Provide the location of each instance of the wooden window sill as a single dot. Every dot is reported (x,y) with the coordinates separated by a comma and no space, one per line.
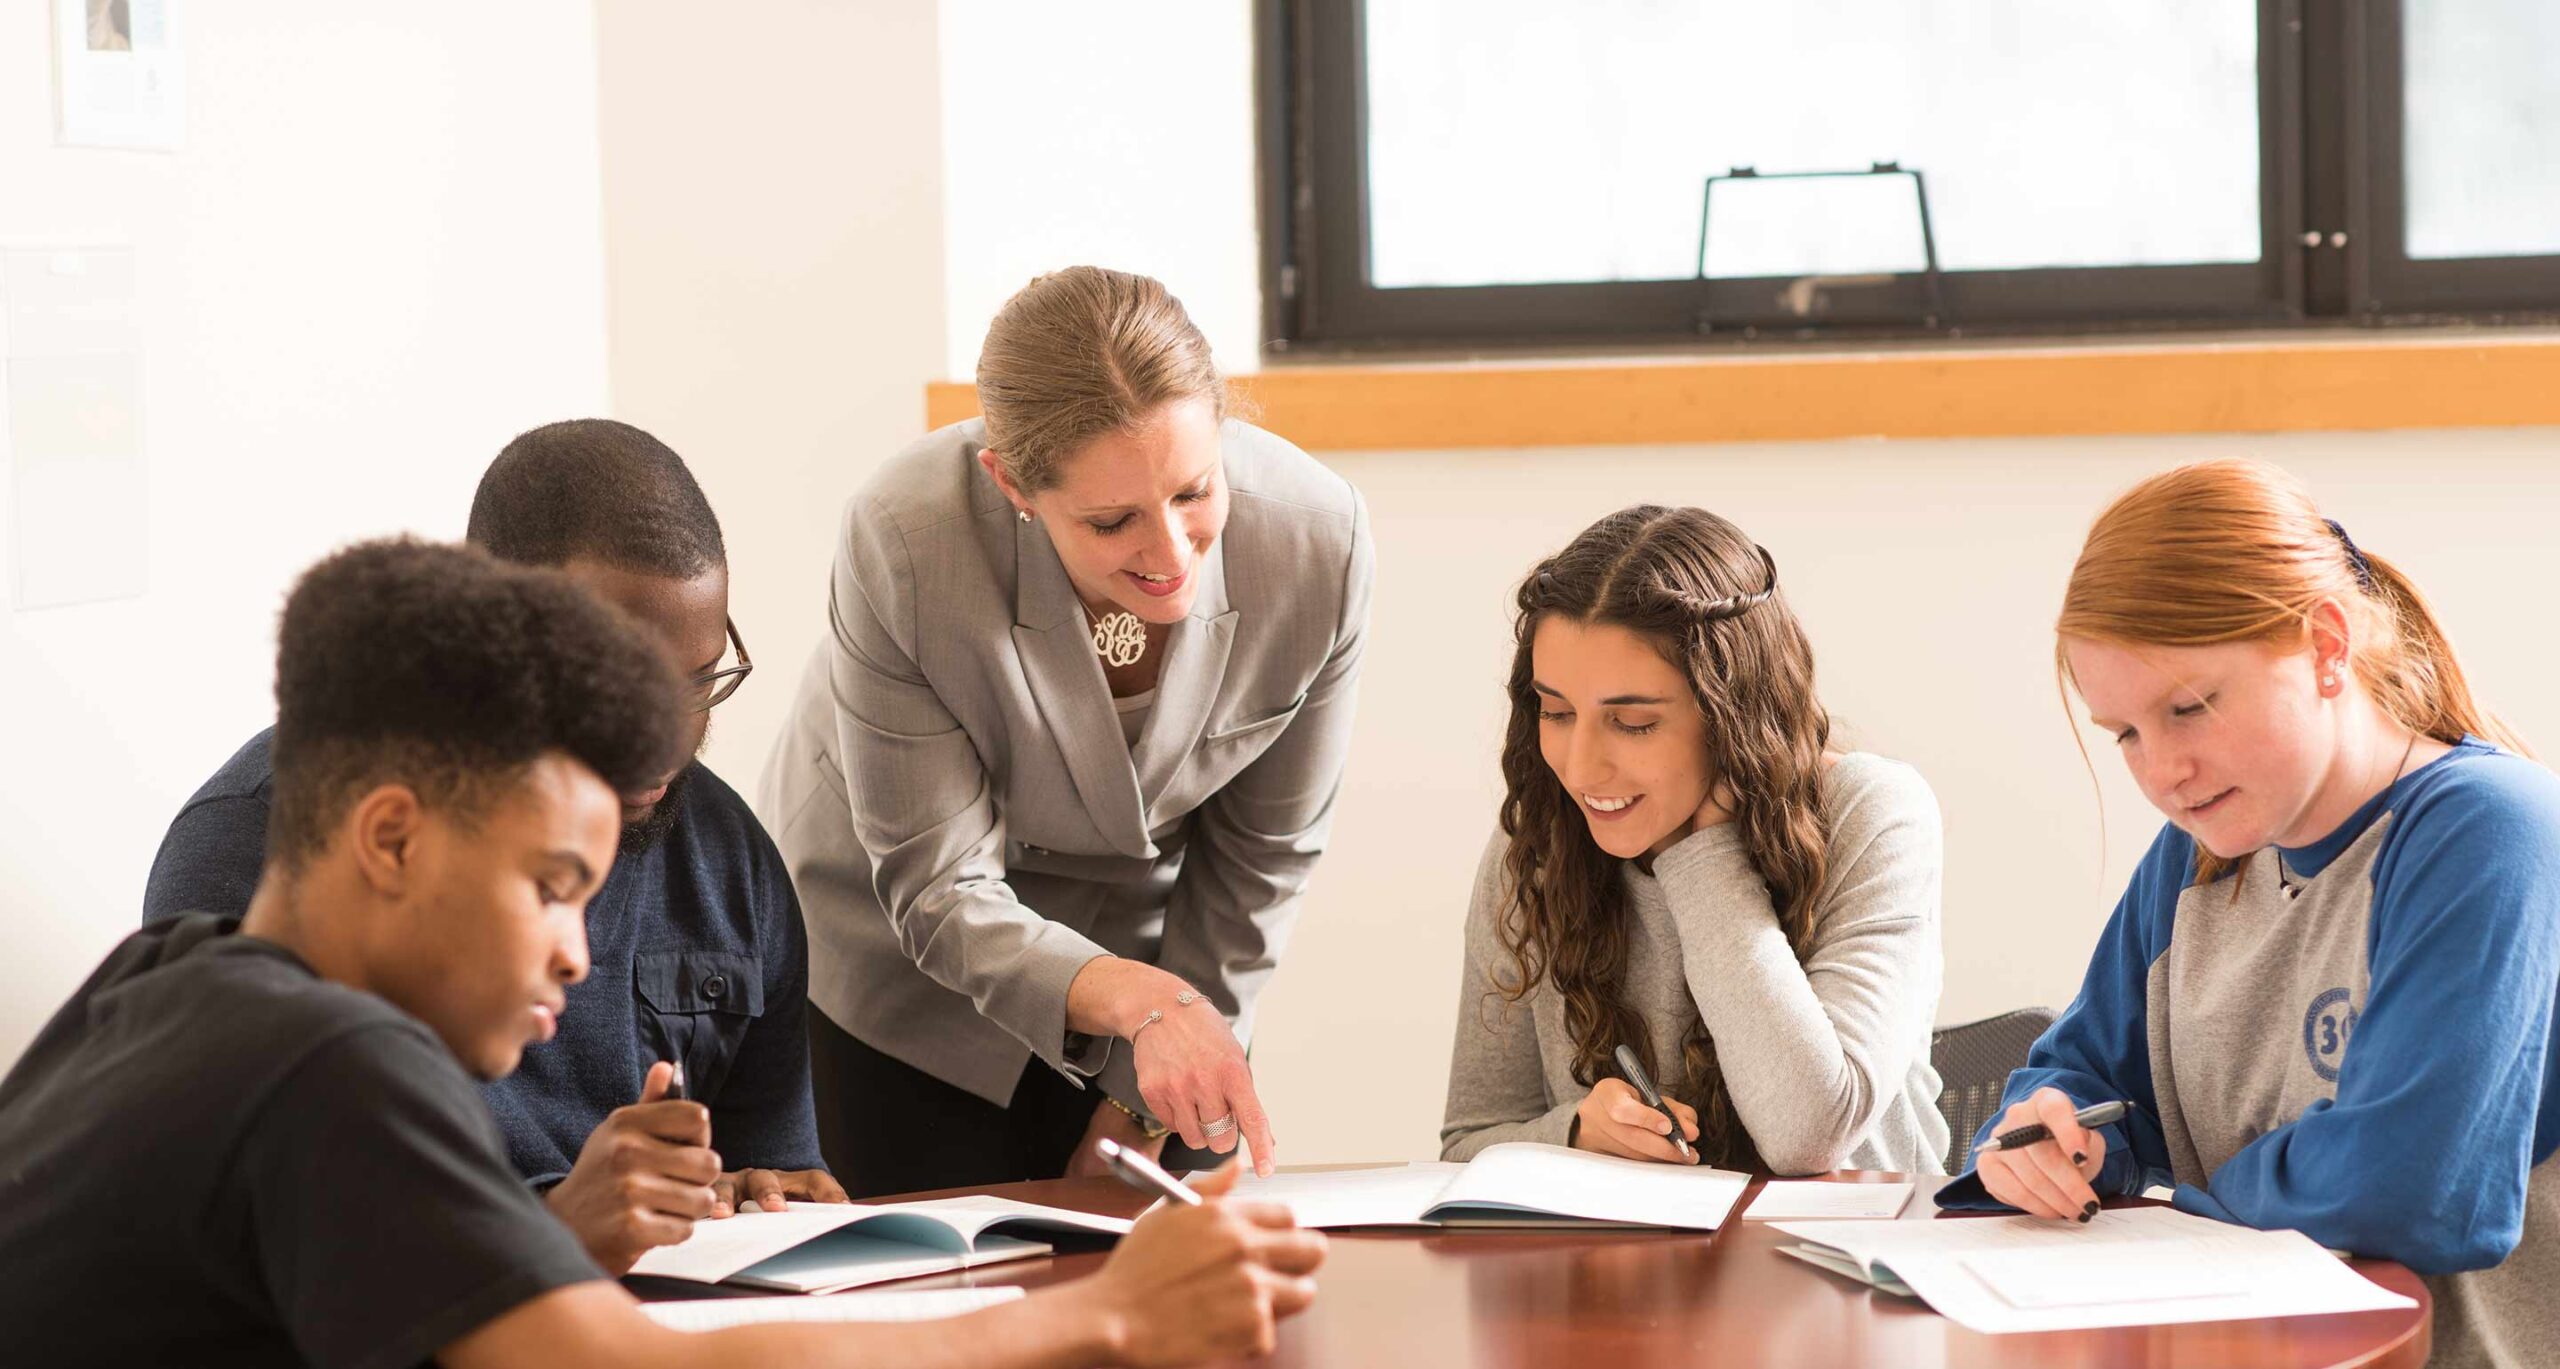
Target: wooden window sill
(2470,380)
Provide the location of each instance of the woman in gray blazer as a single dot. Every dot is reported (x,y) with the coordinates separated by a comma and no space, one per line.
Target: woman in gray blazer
(1054,784)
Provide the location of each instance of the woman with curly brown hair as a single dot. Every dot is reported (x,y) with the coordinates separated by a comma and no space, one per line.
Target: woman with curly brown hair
(1686,868)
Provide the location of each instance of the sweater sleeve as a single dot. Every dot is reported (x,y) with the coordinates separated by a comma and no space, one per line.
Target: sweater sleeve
(2444,1101)
(1497,1082)
(2099,1050)
(1812,1052)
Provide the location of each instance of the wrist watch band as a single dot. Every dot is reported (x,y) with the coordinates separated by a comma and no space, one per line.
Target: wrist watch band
(1155,1131)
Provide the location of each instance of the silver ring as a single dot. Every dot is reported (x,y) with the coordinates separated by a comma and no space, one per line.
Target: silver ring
(1220,1127)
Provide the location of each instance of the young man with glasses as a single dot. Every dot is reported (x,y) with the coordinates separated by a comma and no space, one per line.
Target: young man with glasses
(700,960)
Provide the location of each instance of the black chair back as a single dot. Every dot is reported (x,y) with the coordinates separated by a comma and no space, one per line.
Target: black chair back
(1973,1063)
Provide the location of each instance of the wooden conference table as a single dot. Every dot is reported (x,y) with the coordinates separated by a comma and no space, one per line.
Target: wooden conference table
(1651,1300)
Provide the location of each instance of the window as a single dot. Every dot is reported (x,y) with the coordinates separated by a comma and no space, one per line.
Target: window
(1458,172)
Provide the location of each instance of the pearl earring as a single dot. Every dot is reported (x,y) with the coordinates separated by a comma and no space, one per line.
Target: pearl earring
(1023,514)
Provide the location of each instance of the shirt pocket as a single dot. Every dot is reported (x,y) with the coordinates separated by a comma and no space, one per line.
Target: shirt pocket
(696,1007)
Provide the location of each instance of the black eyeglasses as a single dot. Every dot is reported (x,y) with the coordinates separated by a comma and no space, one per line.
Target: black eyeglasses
(712,687)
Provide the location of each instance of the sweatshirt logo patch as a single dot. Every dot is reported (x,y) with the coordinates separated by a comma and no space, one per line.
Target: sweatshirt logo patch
(2325,1030)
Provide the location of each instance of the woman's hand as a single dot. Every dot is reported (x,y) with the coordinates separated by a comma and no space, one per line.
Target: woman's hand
(1615,1120)
(1192,1072)
(2050,1178)
(1191,1069)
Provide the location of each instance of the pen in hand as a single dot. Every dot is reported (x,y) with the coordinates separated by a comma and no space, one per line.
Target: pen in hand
(1143,1174)
(1634,1070)
(2018,1138)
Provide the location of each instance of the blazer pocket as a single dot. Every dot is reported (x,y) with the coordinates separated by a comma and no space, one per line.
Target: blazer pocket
(1254,727)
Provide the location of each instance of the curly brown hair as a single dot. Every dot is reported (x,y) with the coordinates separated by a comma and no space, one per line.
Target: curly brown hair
(1691,584)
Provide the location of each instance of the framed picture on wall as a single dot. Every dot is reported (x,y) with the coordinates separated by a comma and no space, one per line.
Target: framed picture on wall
(119,74)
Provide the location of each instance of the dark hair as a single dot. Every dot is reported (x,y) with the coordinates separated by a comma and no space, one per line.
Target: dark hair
(1703,595)
(595,487)
(443,669)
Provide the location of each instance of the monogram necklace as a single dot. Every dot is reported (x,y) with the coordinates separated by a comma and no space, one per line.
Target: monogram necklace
(1118,638)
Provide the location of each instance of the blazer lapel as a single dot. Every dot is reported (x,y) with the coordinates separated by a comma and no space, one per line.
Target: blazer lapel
(1056,650)
(1195,666)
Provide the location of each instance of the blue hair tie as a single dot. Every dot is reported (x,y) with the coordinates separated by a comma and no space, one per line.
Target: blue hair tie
(2355,556)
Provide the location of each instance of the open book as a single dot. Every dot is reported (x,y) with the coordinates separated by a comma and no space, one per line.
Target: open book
(2131,1267)
(1518,1183)
(822,1247)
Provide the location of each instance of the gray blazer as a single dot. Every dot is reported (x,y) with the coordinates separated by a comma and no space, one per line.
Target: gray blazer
(963,817)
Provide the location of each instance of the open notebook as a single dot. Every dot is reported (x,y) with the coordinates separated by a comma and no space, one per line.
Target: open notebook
(2130,1267)
(1518,1183)
(822,1247)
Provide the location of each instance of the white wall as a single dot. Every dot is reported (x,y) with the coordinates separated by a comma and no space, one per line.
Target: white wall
(773,223)
(377,257)
(1118,135)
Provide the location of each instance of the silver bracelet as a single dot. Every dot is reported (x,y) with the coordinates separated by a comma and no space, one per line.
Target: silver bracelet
(1182,998)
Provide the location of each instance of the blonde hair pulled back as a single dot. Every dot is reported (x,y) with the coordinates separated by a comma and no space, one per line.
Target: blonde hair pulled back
(1083,352)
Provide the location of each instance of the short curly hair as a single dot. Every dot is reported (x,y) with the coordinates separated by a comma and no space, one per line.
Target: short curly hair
(449,671)
(596,487)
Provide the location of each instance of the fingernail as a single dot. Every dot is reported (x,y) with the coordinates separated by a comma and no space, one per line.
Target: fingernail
(2089,1211)
(2079,1159)
(2084,1219)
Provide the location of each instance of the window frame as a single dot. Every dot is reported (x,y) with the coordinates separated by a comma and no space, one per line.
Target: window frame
(2329,110)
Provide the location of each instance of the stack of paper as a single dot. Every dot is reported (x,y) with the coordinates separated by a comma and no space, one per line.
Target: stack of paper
(2136,1267)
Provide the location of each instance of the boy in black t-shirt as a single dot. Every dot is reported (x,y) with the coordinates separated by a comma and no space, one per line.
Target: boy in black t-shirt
(696,948)
(259,1141)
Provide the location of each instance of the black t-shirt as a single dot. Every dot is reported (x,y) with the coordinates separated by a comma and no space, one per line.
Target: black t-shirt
(695,950)
(212,1156)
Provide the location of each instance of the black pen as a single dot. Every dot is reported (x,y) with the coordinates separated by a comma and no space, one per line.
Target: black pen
(1139,1172)
(1633,1068)
(675,1080)
(2017,1138)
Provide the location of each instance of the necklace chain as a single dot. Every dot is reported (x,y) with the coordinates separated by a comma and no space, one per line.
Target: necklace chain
(2293,890)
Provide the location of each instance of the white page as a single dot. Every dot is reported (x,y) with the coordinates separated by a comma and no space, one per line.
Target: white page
(2111,1273)
(718,1249)
(2274,1273)
(977,1211)
(1577,1183)
(711,1314)
(849,1258)
(1396,1195)
(1781,1200)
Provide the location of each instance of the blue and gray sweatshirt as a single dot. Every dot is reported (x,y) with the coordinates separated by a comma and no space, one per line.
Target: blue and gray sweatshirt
(2355,1040)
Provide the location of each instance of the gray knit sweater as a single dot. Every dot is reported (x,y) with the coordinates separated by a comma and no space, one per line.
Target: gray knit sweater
(1827,1061)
